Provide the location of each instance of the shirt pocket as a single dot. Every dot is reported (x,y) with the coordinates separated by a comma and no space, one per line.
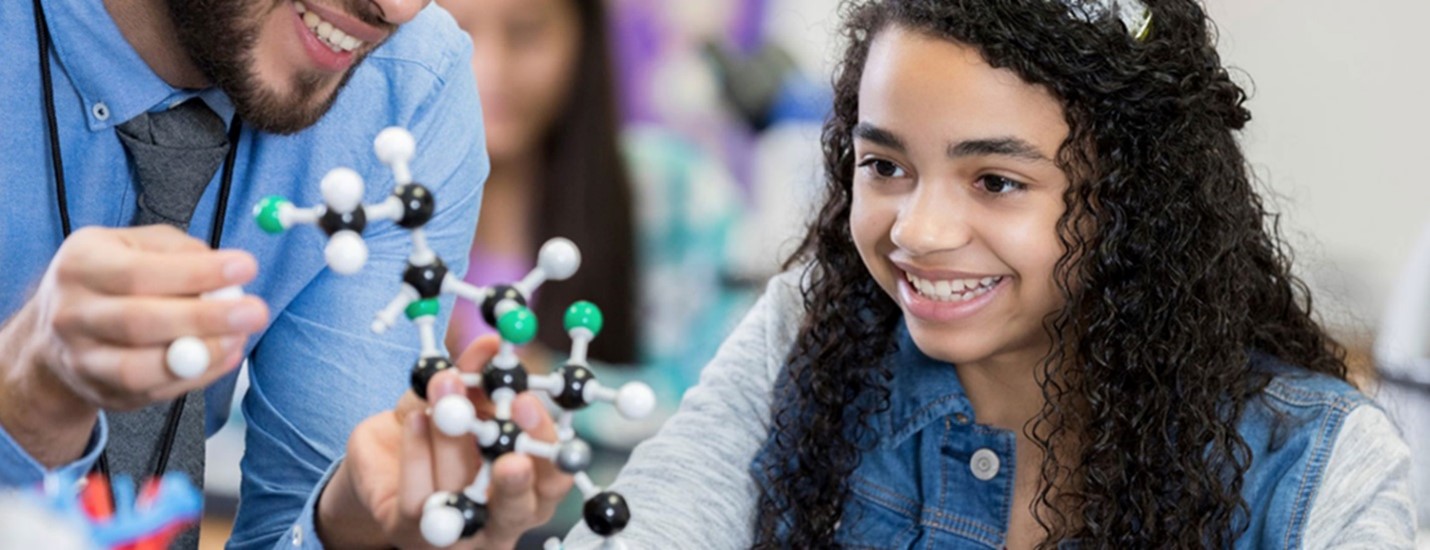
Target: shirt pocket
(875,517)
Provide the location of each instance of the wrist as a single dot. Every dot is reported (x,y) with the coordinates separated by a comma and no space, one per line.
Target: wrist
(340,520)
(37,409)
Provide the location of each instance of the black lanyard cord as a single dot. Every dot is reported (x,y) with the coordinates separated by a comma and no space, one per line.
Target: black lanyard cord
(42,37)
(42,34)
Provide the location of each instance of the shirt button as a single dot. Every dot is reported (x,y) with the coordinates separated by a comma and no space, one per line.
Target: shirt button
(984,464)
(961,419)
(100,111)
(297,535)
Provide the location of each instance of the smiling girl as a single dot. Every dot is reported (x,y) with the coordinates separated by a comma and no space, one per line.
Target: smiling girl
(1041,305)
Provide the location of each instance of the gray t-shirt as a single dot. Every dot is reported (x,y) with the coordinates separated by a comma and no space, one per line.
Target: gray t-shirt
(689,486)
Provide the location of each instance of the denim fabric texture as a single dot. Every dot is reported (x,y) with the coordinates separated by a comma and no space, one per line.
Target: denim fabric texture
(924,485)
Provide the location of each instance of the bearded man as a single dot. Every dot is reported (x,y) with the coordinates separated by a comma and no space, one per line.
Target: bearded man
(120,117)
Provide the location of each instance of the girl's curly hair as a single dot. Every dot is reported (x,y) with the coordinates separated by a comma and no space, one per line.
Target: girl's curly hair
(1173,271)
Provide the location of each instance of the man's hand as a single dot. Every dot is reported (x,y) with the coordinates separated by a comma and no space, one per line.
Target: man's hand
(396,459)
(95,333)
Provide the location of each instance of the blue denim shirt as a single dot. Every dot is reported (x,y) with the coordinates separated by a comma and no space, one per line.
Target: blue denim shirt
(939,479)
(316,370)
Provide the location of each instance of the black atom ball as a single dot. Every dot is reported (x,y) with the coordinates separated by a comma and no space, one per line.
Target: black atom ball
(573,385)
(505,443)
(417,205)
(424,370)
(427,280)
(499,293)
(606,513)
(474,516)
(495,378)
(332,222)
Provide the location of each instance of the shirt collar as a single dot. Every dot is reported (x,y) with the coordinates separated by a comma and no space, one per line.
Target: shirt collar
(922,390)
(111,79)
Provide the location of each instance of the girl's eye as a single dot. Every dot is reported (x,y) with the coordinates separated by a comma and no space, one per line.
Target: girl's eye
(1000,185)
(882,168)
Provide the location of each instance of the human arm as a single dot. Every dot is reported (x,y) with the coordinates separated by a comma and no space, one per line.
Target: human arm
(689,486)
(94,334)
(1364,500)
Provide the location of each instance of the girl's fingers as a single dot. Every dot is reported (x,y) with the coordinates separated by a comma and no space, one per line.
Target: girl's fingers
(454,458)
(514,504)
(551,483)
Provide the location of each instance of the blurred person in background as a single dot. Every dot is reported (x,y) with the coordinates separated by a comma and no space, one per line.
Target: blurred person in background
(1402,357)
(649,210)
(545,81)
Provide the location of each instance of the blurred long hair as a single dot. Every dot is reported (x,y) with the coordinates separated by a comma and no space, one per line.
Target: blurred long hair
(585,194)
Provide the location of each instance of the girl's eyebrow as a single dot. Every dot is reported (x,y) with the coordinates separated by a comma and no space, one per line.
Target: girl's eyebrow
(879,136)
(1002,146)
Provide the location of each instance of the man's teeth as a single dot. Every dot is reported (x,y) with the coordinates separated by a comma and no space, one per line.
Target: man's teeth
(956,290)
(334,38)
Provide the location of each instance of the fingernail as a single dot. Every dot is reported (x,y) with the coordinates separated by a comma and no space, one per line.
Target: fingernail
(449,386)
(519,479)
(526,416)
(245,317)
(236,270)
(231,344)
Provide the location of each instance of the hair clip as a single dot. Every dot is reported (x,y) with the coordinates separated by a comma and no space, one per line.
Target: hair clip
(1134,14)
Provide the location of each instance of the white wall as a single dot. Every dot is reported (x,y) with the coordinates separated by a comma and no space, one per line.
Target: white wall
(1341,109)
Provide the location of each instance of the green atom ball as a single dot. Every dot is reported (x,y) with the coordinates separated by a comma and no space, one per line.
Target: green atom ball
(266,213)
(517,326)
(585,315)
(423,308)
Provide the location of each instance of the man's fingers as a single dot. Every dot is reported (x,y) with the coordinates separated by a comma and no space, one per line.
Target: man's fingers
(134,377)
(143,273)
(147,321)
(159,238)
(416,464)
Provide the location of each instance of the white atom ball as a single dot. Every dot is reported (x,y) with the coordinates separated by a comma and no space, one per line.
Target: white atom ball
(442,525)
(559,258)
(188,357)
(342,190)
(394,145)
(346,252)
(453,414)
(635,400)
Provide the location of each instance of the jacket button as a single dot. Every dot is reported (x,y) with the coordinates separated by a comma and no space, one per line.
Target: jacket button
(984,464)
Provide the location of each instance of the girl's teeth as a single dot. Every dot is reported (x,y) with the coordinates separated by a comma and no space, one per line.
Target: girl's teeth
(954,290)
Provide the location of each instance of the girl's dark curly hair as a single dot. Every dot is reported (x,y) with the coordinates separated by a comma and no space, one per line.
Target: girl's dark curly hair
(1173,272)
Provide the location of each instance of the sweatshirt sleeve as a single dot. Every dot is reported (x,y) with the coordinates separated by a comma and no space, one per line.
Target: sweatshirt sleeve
(689,486)
(1364,500)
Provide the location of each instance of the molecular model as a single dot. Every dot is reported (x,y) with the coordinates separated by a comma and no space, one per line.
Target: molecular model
(448,517)
(343,216)
(81,515)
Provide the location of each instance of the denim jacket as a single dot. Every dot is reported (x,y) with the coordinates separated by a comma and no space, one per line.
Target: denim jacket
(939,479)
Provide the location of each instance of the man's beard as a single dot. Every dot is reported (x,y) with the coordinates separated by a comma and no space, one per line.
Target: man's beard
(221,37)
